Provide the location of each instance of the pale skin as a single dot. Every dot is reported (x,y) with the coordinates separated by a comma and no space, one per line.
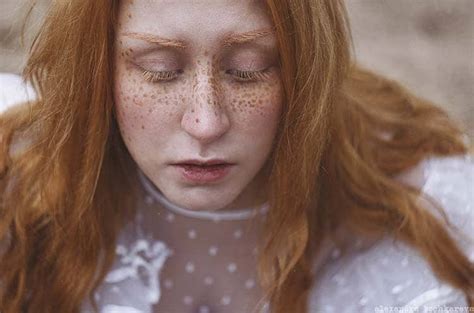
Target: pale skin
(199,80)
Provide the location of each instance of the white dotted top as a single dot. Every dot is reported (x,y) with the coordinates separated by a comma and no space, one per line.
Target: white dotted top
(213,277)
(166,262)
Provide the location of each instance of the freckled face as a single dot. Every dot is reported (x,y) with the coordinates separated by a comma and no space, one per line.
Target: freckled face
(188,87)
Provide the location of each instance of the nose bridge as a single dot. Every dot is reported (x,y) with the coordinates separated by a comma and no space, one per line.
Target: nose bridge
(205,119)
(206,88)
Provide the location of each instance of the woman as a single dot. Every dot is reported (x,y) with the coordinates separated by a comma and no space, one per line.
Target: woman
(226,157)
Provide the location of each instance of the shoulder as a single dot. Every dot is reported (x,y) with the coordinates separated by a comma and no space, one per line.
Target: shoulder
(386,275)
(13,90)
(450,181)
(391,275)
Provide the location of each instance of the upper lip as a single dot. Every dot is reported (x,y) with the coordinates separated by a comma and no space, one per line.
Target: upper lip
(202,162)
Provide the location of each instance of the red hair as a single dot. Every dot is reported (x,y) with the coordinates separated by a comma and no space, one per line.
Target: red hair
(330,165)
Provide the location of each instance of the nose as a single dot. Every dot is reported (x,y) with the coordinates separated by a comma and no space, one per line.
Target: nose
(205,118)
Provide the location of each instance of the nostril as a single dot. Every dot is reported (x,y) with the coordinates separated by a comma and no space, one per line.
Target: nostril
(205,123)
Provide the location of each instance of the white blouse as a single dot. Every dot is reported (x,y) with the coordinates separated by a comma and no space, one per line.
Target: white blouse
(209,266)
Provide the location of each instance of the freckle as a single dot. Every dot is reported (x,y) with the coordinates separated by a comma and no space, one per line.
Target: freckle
(192,111)
(153,97)
(129,15)
(143,127)
(145,95)
(197,120)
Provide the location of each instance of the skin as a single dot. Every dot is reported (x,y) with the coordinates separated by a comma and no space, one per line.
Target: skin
(199,106)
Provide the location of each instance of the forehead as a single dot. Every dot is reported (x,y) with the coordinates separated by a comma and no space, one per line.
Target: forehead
(202,21)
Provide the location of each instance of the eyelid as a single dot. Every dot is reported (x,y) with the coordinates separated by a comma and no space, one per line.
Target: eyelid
(153,76)
(153,52)
(247,58)
(239,76)
(154,63)
(243,76)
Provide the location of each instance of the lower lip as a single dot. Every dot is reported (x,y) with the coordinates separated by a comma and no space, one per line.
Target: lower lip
(203,174)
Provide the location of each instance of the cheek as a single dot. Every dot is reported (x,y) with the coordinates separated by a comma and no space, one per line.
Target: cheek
(258,108)
(143,109)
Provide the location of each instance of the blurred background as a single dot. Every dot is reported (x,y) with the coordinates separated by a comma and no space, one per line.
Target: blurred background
(425,44)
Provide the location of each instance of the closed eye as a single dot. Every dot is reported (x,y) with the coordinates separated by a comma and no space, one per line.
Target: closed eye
(240,76)
(249,76)
(160,76)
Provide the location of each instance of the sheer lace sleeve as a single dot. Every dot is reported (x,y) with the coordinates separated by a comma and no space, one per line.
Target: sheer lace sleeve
(390,275)
(451,183)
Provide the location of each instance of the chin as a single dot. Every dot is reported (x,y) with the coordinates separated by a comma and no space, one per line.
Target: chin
(205,206)
(202,204)
(199,201)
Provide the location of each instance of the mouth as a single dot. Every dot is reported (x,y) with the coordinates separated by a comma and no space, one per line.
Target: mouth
(203,172)
(203,163)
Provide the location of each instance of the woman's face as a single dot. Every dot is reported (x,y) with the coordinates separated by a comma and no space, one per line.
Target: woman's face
(198,80)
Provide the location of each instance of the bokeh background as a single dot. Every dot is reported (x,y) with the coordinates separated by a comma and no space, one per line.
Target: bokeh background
(425,44)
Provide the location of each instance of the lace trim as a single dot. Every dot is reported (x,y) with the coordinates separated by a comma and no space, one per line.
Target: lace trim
(141,258)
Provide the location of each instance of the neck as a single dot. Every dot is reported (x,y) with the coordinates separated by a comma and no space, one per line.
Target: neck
(227,214)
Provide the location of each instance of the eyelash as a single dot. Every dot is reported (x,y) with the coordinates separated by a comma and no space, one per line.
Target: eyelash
(241,76)
(250,76)
(163,76)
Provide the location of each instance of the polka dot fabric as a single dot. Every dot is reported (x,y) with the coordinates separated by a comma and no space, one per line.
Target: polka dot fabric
(170,263)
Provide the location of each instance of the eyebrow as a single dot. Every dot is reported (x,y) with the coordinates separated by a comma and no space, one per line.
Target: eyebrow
(227,41)
(165,42)
(240,38)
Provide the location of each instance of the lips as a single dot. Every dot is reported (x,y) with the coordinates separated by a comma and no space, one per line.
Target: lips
(203,172)
(203,163)
(203,167)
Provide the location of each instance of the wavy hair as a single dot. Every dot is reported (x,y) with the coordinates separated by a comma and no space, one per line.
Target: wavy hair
(344,134)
